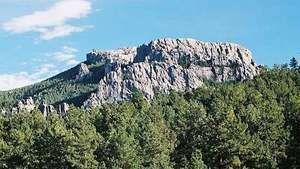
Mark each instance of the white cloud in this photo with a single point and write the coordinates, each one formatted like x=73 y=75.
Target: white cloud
x=61 y=60
x=61 y=56
x=11 y=81
x=72 y=62
x=65 y=57
x=51 y=23
x=21 y=79
x=68 y=55
x=46 y=68
x=61 y=31
x=69 y=49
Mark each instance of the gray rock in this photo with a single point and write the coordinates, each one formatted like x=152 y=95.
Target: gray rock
x=83 y=72
x=46 y=109
x=168 y=64
x=63 y=109
x=124 y=55
x=26 y=104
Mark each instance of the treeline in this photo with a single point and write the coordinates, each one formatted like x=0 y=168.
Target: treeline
x=250 y=124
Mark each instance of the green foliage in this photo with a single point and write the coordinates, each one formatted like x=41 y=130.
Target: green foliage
x=250 y=124
x=61 y=88
x=30 y=141
x=196 y=161
x=294 y=63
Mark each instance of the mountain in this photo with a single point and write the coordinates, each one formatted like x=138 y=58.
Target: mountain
x=159 y=66
x=250 y=122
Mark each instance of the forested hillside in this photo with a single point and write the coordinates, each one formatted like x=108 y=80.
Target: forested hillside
x=249 y=124
x=60 y=88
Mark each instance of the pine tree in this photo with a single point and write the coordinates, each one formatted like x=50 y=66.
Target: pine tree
x=294 y=63
x=155 y=138
x=120 y=148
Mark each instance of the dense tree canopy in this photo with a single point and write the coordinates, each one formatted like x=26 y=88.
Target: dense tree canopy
x=249 y=124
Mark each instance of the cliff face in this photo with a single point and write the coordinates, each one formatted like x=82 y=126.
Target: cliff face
x=167 y=64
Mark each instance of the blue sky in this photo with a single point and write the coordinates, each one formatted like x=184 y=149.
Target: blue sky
x=39 y=38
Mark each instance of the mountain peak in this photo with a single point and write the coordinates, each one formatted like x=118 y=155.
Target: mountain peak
x=168 y=64
x=161 y=65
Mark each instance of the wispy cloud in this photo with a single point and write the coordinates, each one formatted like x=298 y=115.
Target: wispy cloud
x=67 y=55
x=12 y=81
x=63 y=30
x=17 y=80
x=72 y=62
x=46 y=68
x=52 y=23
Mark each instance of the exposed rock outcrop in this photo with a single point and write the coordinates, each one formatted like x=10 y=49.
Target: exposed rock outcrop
x=83 y=72
x=26 y=104
x=46 y=109
x=63 y=109
x=168 y=64
x=124 y=55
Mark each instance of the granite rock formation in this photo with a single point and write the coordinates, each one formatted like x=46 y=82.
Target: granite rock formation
x=83 y=72
x=167 y=64
x=26 y=104
x=46 y=109
x=124 y=55
x=63 y=109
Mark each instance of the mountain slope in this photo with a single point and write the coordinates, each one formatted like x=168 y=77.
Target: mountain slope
x=159 y=66
x=55 y=90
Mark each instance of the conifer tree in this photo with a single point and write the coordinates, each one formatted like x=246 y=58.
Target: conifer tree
x=294 y=63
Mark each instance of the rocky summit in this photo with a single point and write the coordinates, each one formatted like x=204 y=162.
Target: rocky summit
x=159 y=66
x=164 y=65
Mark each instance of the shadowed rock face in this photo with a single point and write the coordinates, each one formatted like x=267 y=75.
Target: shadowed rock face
x=46 y=109
x=83 y=72
x=168 y=64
